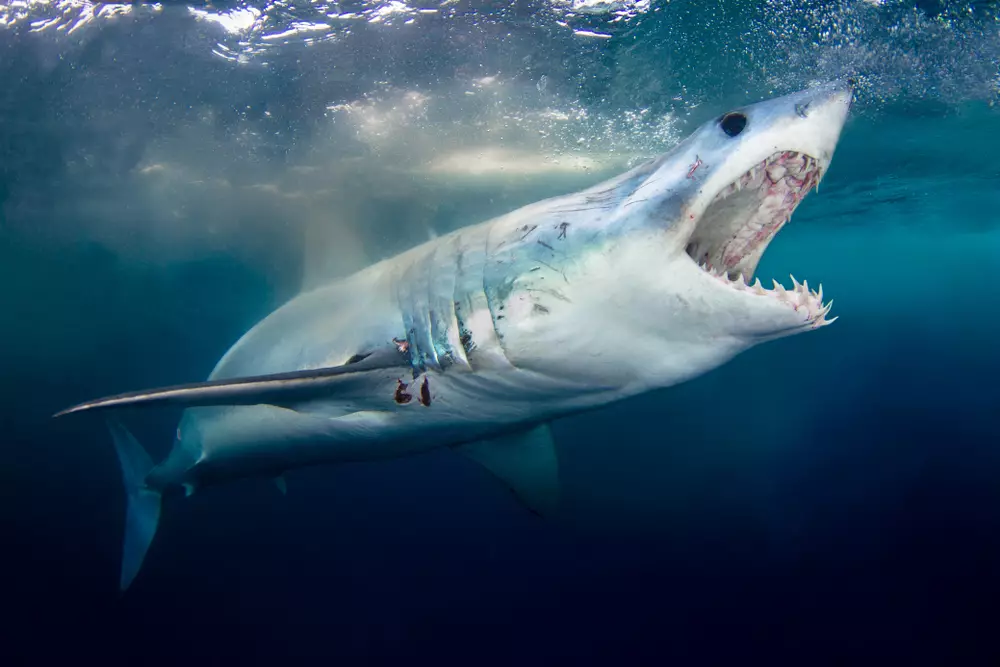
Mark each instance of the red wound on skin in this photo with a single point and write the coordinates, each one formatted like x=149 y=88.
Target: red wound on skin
x=401 y=345
x=694 y=167
x=425 y=394
x=401 y=395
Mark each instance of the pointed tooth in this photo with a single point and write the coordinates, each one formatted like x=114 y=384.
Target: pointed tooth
x=778 y=287
x=742 y=279
x=805 y=287
x=819 y=293
x=795 y=283
x=831 y=321
x=756 y=283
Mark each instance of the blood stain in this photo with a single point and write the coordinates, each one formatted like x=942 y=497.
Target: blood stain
x=401 y=394
x=425 y=394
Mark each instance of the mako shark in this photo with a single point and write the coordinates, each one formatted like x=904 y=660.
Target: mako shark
x=476 y=340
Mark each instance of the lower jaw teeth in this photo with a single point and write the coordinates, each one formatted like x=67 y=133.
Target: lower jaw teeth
x=800 y=290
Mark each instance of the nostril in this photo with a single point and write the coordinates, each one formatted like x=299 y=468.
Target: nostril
x=802 y=109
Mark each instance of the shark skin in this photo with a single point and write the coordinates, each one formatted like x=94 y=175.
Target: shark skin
x=476 y=340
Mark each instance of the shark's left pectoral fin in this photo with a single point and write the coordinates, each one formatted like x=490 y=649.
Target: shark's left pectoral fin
x=526 y=462
x=281 y=389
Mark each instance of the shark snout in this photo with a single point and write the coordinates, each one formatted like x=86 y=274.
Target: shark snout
x=836 y=96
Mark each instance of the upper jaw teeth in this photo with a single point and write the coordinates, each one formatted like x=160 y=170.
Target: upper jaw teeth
x=800 y=168
x=799 y=297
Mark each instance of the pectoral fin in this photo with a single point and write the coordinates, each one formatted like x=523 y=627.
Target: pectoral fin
x=526 y=462
x=276 y=389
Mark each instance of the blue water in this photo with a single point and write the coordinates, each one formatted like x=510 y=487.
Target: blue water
x=829 y=498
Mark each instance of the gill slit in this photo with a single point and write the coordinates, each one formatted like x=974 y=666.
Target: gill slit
x=490 y=305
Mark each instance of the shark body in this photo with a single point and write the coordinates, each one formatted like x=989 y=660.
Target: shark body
x=478 y=339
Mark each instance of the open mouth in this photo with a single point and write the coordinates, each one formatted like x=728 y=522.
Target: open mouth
x=742 y=220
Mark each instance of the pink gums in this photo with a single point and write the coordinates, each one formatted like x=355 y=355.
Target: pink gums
x=783 y=194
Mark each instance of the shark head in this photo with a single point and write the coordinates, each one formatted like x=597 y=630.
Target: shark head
x=717 y=200
x=672 y=276
x=747 y=171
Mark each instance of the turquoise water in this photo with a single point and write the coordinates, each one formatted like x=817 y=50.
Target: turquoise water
x=168 y=177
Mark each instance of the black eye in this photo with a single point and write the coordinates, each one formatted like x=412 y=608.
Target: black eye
x=733 y=123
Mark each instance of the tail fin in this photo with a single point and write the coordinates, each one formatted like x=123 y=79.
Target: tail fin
x=143 y=513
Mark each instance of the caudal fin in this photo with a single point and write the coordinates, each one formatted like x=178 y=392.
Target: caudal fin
x=143 y=512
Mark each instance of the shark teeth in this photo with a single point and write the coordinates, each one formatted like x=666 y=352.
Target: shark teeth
x=774 y=169
x=799 y=297
x=772 y=189
x=779 y=182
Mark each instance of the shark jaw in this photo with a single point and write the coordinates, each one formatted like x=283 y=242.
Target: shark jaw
x=704 y=213
x=744 y=217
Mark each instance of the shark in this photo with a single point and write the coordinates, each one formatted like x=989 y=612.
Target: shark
x=477 y=340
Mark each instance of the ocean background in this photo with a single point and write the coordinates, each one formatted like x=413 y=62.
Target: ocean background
x=170 y=174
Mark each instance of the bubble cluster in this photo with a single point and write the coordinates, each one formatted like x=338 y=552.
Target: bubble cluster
x=896 y=51
x=666 y=56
